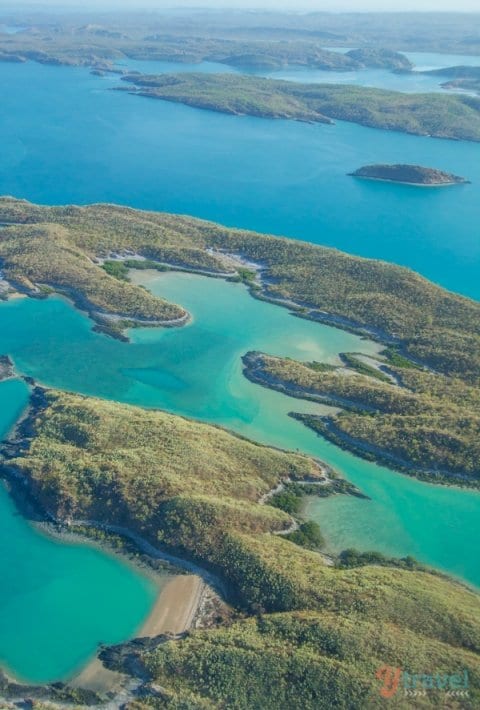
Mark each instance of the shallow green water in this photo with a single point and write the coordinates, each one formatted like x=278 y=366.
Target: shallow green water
x=197 y=371
x=58 y=601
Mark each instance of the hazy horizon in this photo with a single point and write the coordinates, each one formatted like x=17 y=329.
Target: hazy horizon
x=270 y=5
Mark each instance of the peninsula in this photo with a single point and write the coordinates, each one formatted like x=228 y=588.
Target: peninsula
x=459 y=78
x=403 y=416
x=438 y=115
x=408 y=175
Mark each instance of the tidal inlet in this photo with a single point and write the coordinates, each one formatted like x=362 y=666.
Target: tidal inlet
x=239 y=357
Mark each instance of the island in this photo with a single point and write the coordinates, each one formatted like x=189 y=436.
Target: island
x=439 y=115
x=101 y=46
x=306 y=629
x=408 y=175
x=459 y=78
x=432 y=336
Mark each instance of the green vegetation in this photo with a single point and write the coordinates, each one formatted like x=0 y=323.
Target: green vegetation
x=193 y=488
x=311 y=660
x=353 y=362
x=143 y=264
x=247 y=275
x=118 y=269
x=288 y=501
x=422 y=114
x=409 y=174
x=398 y=360
x=86 y=457
x=380 y=59
x=320 y=366
x=354 y=558
x=428 y=427
x=308 y=535
x=37 y=259
x=57 y=246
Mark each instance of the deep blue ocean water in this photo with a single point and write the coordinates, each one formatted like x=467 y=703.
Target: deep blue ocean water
x=66 y=138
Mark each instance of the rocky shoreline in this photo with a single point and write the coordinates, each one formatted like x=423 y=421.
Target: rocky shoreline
x=325 y=426
x=404 y=174
x=7 y=371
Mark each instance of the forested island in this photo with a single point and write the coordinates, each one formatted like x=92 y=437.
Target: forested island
x=408 y=175
x=305 y=631
x=86 y=252
x=436 y=115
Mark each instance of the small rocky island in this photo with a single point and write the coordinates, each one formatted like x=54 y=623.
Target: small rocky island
x=408 y=175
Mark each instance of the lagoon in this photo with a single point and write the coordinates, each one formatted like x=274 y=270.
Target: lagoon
x=197 y=371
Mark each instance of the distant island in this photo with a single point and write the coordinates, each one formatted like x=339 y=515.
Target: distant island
x=437 y=115
x=408 y=175
x=460 y=78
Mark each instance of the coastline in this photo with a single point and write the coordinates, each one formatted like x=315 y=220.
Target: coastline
x=412 y=184
x=176 y=607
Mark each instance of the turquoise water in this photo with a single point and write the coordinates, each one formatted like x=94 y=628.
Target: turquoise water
x=197 y=371
x=67 y=138
x=275 y=176
x=58 y=601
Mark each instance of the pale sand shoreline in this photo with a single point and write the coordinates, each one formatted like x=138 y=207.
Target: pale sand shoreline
x=176 y=606
x=98 y=678
x=173 y=613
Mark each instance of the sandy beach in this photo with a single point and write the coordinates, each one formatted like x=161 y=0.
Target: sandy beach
x=98 y=678
x=173 y=612
x=175 y=607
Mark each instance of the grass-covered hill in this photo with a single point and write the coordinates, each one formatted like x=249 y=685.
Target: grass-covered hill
x=96 y=459
x=310 y=635
x=38 y=258
x=432 y=114
x=304 y=660
x=429 y=426
x=429 y=323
